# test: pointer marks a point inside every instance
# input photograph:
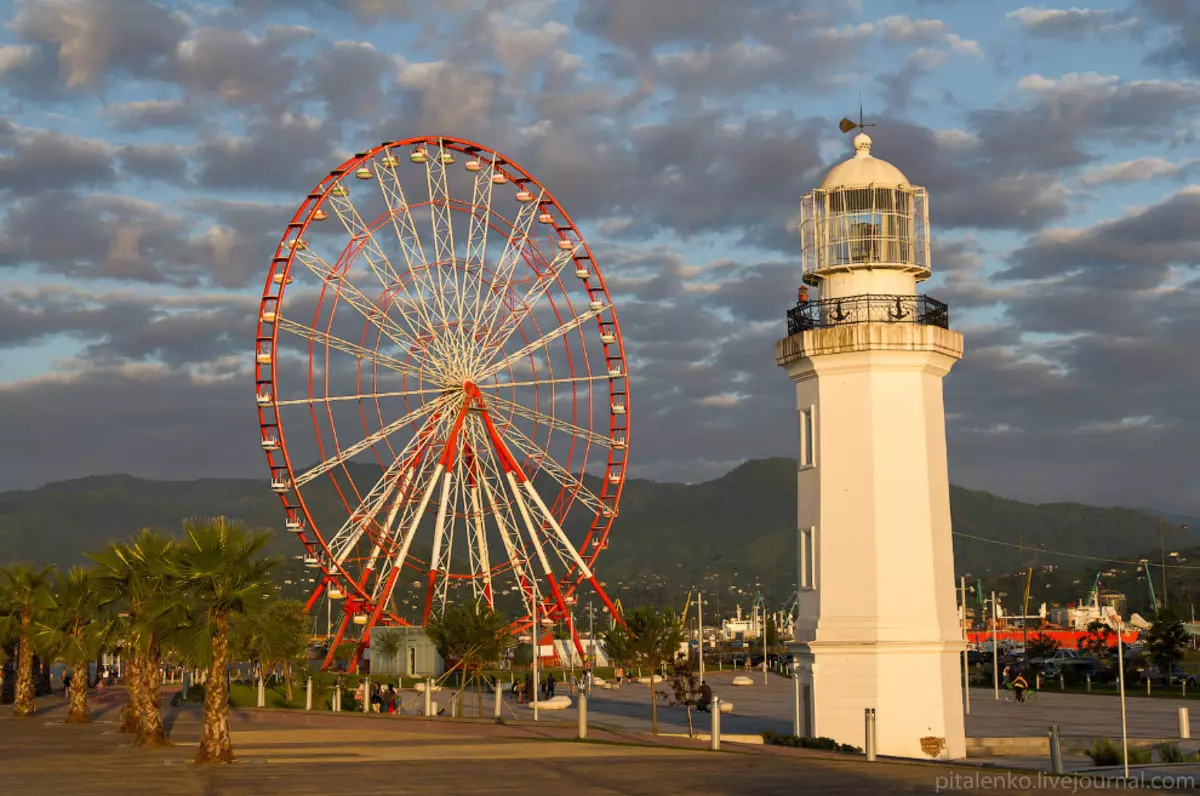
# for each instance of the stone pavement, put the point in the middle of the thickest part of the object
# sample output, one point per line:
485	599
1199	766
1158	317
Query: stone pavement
298	754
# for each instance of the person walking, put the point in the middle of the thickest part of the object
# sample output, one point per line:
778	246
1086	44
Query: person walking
550	683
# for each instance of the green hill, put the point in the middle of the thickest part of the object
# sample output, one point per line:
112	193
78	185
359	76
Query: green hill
668	535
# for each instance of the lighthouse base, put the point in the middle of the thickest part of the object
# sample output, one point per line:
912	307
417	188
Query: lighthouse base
914	688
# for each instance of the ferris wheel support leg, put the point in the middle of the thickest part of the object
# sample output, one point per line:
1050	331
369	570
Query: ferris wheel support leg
438	536
337	639
537	544
316	595
584	569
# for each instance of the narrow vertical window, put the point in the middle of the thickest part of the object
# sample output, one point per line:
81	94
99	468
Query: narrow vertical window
807	443
807	564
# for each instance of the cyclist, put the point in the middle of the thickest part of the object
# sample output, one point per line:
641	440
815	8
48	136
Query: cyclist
1020	685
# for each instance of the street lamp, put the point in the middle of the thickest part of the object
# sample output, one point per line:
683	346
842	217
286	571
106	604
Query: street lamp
1162	549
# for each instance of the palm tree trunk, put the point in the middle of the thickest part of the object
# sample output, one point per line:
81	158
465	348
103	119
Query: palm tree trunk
151	731
78	712
215	744
132	669
23	702
287	680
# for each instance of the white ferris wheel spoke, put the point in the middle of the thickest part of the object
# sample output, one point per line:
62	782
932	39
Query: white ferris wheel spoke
443	265
575	487
422	271
353	349
356	299
506	522
525	306
480	564
558	531
501	284
477	237
378	262
370	440
549	337
552	422
549	382
366	396
342	544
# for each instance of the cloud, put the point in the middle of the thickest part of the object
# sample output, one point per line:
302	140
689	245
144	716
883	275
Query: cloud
1075	23
92	38
1142	169
48	160
1136	248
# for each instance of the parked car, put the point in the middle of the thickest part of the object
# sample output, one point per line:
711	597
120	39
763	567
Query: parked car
1157	676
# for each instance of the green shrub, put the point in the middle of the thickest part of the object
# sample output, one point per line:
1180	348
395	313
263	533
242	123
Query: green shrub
1139	756
828	744
1171	753
1104	753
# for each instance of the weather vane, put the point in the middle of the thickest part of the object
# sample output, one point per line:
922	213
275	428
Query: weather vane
846	125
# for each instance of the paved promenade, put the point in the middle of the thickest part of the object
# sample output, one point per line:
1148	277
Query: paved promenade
299	754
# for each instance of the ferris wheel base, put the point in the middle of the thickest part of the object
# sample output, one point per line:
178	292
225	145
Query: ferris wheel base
551	612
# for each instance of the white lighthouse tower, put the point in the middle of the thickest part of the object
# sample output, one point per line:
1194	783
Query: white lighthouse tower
877	624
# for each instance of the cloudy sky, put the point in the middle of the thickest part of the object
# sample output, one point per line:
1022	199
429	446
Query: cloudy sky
153	152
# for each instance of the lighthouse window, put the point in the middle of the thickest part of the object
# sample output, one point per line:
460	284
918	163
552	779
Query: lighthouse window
807	565
807	443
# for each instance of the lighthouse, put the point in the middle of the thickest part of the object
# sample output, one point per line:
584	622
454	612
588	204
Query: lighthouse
877	624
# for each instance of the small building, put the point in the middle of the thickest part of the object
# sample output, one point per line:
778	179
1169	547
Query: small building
415	655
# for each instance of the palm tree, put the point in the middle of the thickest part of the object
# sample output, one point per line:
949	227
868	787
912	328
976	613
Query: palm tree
28	598
75	634
141	581
222	564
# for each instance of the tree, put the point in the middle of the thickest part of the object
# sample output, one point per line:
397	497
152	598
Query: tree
650	638
74	633
772	632
469	633
139	581
1096	642
1166	639
222	564
685	691
1041	645
389	643
271	633
28	599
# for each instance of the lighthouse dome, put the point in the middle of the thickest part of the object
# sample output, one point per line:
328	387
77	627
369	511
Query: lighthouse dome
863	169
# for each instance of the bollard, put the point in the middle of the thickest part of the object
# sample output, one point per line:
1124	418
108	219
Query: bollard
428	698
870	734
1147	686
714	743
582	715
1089	682
1062	683
1056	763
1185	724
499	699
187	679
308	695
366	690
1184	681
1039	681
262	692
337	698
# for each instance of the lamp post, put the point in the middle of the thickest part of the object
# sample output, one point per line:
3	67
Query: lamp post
1162	551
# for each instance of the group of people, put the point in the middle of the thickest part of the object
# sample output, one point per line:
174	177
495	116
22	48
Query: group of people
383	697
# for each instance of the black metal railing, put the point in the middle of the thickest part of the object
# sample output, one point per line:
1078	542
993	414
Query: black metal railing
867	308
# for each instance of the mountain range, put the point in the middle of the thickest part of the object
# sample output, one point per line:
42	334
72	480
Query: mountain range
739	527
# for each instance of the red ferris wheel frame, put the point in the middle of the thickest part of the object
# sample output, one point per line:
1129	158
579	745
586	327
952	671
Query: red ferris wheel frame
288	479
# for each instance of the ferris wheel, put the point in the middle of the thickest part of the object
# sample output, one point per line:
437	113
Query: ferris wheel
442	389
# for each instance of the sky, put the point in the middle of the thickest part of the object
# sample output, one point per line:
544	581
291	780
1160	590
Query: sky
152	153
